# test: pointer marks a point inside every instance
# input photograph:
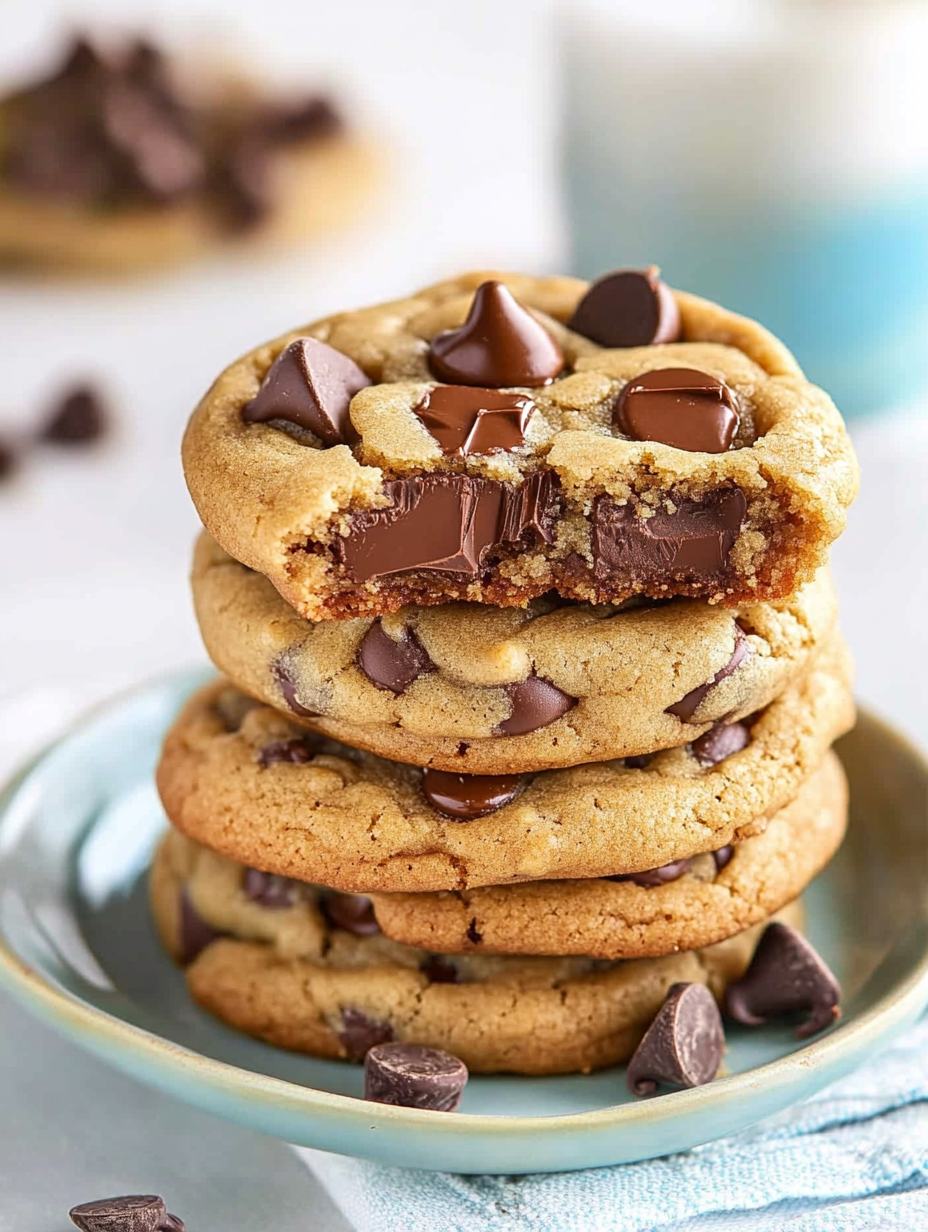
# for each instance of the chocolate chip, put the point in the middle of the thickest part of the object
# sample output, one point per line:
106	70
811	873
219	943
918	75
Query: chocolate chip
392	663
723	857
687	706
296	751
465	420
283	674
240	187
413	1076
680	407
195	933
311	385
358	1033
473	935
500	344
692	543
720	742
535	703
131	1213
446	523
294	122
77	418
8	460
640	762
466	796
628	308
655	876
684	1045
270	890
438	970
351	912
786	976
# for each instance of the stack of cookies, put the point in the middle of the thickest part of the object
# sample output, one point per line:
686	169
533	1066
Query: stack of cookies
520	591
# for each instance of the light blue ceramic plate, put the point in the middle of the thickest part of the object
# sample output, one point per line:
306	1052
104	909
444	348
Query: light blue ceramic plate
77	947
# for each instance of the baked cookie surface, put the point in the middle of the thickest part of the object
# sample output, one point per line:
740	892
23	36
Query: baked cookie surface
484	690
335	462
286	975
246	781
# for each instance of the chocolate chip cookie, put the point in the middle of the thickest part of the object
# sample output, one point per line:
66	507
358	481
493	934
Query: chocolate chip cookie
117	162
248	782
485	690
685	905
494	438
292	975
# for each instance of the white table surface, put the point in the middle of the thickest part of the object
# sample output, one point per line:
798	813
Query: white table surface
95	548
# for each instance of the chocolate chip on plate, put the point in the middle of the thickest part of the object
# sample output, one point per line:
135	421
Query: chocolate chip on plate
464	797
628	308
392	663
78	417
684	1045
786	976
465	420
682	407
311	385
413	1076
130	1213
499	345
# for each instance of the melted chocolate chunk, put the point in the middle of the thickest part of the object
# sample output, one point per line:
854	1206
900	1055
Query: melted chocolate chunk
786	976
680	407
500	344
628	308
282	673
473	935
466	796
413	1076
439	970
351	912
130	1213
720	742
535	703
723	857
358	1033
687	706
655	876
693	543
465	420
195	933
640	762
297	750
311	385
77	418
447	523
270	890
392	664
684	1045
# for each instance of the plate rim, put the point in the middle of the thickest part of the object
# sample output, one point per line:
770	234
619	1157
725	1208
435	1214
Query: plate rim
119	1041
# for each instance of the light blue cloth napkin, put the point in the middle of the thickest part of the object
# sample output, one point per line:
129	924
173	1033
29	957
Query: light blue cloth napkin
851	1159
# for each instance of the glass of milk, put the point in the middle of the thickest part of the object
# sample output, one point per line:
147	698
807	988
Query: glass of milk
772	155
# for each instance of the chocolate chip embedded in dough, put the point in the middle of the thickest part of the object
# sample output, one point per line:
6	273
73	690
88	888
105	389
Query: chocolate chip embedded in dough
392	663
195	933
474	936
535	703
786	976
359	1033
684	1045
283	674
413	1076
351	912
640	762
682	407
296	751
720	742
628	308
687	706
439	970
466	796
465	420
270	890
130	1213
311	385
723	856
446	523
500	344
690	544
655	876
